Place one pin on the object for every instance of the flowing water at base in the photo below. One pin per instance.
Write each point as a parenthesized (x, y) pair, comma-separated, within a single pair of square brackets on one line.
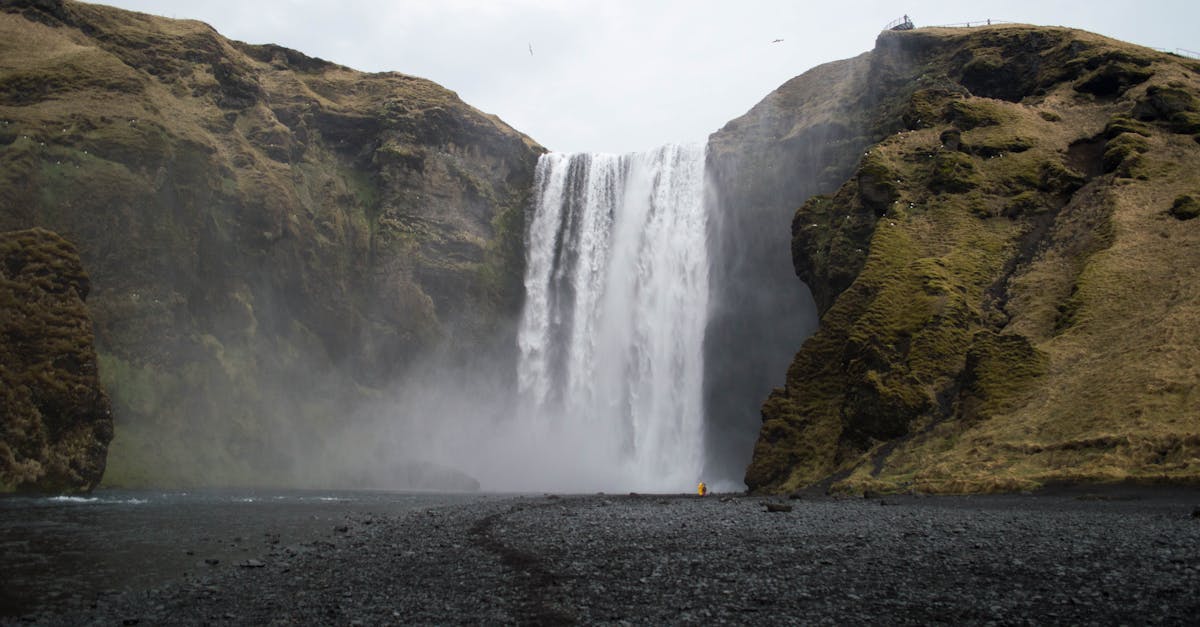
[(67, 550)]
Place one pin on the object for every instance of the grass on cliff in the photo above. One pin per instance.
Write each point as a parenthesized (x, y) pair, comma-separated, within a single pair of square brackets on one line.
[(221, 190), (1021, 315)]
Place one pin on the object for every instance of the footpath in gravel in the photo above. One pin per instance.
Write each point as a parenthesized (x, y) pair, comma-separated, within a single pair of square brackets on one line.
[(1110, 558)]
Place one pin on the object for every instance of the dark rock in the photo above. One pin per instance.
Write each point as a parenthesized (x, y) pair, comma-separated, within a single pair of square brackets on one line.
[(251, 564), (1185, 207), (777, 507), (951, 139)]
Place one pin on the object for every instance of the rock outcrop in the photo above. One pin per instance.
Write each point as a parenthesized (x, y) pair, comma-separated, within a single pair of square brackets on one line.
[(55, 420), (1005, 281), (271, 237)]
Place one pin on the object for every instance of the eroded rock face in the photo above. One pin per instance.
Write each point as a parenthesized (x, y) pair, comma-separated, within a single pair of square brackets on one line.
[(55, 419), (998, 279), (801, 140), (271, 237)]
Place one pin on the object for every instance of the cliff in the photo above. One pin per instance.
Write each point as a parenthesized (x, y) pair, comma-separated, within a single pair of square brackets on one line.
[(272, 238), (1005, 282), (802, 140), (55, 421)]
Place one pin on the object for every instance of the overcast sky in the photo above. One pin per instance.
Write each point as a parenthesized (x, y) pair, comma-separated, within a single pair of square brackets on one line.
[(626, 75)]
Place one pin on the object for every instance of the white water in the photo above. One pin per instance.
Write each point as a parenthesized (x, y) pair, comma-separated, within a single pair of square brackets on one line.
[(611, 362)]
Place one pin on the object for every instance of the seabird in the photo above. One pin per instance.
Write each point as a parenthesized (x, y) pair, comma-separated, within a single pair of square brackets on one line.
[(776, 41), (531, 50)]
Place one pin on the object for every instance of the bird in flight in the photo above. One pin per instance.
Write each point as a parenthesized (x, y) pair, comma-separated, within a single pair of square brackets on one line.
[(776, 41), (531, 50)]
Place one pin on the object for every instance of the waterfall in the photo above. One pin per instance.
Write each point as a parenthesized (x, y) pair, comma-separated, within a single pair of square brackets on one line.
[(611, 361)]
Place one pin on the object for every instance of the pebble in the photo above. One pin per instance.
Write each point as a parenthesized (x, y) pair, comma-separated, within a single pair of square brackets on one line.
[(626, 559)]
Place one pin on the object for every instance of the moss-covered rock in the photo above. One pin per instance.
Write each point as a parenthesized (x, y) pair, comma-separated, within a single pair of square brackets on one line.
[(1114, 78), (1185, 207), (953, 172), (1124, 124), (1122, 149), (272, 237), (1018, 315), (55, 419)]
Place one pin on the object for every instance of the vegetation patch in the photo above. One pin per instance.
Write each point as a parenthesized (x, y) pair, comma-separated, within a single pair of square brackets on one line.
[(1114, 79), (1124, 124), (1121, 149), (986, 343), (973, 113), (954, 173), (877, 182), (57, 422), (1185, 207)]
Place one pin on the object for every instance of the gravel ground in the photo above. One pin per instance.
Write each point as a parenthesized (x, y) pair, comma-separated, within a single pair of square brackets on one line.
[(1112, 558)]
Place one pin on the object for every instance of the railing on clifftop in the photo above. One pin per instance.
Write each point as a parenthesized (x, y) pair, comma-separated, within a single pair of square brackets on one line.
[(973, 23), (900, 23)]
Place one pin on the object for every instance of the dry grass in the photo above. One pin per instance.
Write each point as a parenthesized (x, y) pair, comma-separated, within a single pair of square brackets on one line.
[(1092, 291)]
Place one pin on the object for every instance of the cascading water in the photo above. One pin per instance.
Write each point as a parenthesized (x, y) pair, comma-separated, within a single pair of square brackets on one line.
[(611, 360)]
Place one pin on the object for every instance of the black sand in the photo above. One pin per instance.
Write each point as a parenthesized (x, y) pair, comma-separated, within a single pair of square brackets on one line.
[(1117, 557)]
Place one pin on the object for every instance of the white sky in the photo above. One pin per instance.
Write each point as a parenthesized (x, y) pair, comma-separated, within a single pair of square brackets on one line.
[(626, 75)]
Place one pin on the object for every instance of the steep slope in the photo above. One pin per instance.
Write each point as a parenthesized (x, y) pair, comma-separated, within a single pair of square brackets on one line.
[(1006, 283), (55, 420), (801, 140), (271, 237)]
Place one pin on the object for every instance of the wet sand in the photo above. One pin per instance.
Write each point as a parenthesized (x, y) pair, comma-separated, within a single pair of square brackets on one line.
[(1080, 557)]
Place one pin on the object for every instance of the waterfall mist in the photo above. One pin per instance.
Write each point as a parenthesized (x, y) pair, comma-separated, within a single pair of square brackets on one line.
[(605, 392)]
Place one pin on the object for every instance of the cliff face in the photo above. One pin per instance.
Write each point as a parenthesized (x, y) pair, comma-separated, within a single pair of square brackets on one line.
[(55, 421), (1006, 281), (801, 140), (270, 236)]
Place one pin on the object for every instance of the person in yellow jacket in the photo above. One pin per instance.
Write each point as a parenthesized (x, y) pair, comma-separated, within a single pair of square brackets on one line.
[(701, 489)]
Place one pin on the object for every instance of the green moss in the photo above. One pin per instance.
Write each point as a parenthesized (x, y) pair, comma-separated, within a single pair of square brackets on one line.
[(1124, 124), (1000, 145), (1122, 148), (928, 107), (1056, 178), (1028, 202), (57, 422), (1185, 122), (954, 173), (1162, 102), (877, 182), (999, 370), (503, 274), (1185, 207), (1113, 79), (974, 113)]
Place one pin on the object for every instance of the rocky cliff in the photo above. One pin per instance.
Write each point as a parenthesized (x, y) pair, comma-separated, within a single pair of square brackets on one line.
[(1006, 281), (271, 237), (802, 140), (55, 420)]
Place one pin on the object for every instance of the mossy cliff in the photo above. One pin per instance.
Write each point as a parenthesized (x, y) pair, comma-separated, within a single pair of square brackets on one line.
[(55, 420), (1007, 281), (271, 237)]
